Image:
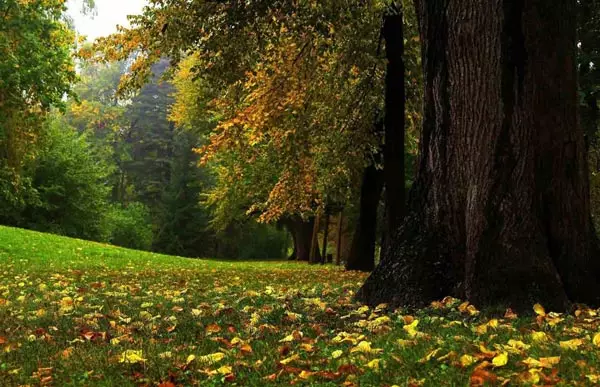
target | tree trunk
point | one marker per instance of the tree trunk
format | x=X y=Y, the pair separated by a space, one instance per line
x=362 y=251
x=325 y=236
x=499 y=212
x=315 y=255
x=301 y=231
x=393 y=150
x=338 y=250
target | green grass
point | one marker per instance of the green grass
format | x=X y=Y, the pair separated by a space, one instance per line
x=71 y=311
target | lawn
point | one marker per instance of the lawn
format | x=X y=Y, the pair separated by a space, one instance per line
x=80 y=313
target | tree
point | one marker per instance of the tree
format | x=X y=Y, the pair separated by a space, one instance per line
x=36 y=71
x=500 y=210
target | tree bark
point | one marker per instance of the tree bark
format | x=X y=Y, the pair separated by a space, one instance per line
x=338 y=250
x=362 y=251
x=325 y=236
x=301 y=231
x=314 y=254
x=393 y=150
x=499 y=212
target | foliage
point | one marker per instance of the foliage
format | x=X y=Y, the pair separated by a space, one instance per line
x=36 y=71
x=294 y=91
x=70 y=183
x=130 y=226
x=252 y=240
x=75 y=312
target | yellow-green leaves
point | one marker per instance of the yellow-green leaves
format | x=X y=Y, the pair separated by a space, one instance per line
x=131 y=356
x=500 y=360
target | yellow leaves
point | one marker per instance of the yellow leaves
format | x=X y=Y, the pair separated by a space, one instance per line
x=365 y=347
x=516 y=346
x=500 y=360
x=572 y=344
x=131 y=356
x=374 y=364
x=211 y=358
x=466 y=360
x=539 y=337
x=225 y=370
x=467 y=308
x=539 y=310
x=337 y=354
x=315 y=302
x=411 y=328
x=596 y=340
x=294 y=336
x=190 y=359
x=430 y=355
x=483 y=328
x=66 y=305
x=345 y=337
x=290 y=359
x=543 y=362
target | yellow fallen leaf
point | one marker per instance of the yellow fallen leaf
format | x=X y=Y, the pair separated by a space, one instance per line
x=518 y=345
x=225 y=370
x=466 y=360
x=593 y=378
x=411 y=328
x=539 y=310
x=430 y=355
x=190 y=359
x=365 y=347
x=596 y=340
x=571 y=344
x=374 y=364
x=290 y=359
x=337 y=354
x=305 y=374
x=500 y=360
x=539 y=337
x=211 y=358
x=131 y=356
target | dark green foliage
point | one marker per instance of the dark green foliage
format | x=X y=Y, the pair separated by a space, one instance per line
x=252 y=240
x=69 y=189
x=130 y=226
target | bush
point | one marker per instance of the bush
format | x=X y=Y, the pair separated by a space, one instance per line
x=130 y=226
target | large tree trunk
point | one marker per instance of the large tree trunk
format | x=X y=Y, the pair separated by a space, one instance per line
x=393 y=150
x=499 y=212
x=362 y=250
x=301 y=231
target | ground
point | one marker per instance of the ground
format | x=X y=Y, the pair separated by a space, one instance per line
x=80 y=313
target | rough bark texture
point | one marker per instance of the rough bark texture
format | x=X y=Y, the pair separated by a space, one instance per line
x=499 y=212
x=393 y=150
x=362 y=250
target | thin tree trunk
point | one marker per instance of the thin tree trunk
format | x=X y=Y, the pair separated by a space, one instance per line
x=325 y=235
x=338 y=250
x=499 y=212
x=393 y=150
x=362 y=251
x=315 y=255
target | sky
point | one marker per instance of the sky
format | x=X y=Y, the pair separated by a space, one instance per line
x=109 y=13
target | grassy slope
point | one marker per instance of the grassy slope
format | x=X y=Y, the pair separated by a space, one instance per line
x=70 y=310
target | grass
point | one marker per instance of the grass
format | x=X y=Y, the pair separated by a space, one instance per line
x=79 y=313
